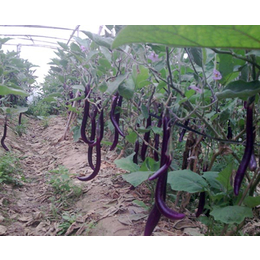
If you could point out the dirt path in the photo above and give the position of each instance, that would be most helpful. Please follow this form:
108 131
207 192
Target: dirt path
106 205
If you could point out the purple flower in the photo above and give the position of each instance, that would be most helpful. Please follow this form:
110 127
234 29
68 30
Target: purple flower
83 48
197 89
216 75
153 57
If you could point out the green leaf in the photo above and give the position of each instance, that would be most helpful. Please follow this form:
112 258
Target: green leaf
104 63
99 40
127 88
106 53
127 164
52 97
226 68
4 90
239 89
103 87
113 86
196 55
63 45
190 93
19 110
252 201
186 180
224 176
231 214
149 164
157 130
144 111
75 48
76 133
131 137
141 204
210 177
140 75
136 178
210 36
79 87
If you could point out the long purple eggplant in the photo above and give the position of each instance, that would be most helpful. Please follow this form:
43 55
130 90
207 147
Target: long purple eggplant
252 163
85 118
4 136
156 142
248 151
92 137
201 204
152 221
160 206
229 134
117 101
160 201
183 130
162 169
116 117
146 138
100 129
136 150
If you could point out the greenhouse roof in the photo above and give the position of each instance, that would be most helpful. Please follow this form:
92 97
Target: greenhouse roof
37 43
39 35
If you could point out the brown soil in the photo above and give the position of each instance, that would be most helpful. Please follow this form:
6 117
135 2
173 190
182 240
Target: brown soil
106 206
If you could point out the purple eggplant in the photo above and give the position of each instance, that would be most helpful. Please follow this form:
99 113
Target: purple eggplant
20 119
252 163
156 142
4 136
229 134
117 101
100 128
160 201
146 138
152 221
248 151
183 130
92 138
162 169
201 204
85 118
135 158
160 206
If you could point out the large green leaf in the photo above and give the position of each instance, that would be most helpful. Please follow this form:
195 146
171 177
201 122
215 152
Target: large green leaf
252 201
140 76
127 164
113 86
186 180
126 89
19 110
231 214
4 90
224 176
136 178
211 36
239 89
210 177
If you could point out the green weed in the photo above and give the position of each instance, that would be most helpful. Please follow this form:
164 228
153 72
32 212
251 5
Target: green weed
62 184
10 170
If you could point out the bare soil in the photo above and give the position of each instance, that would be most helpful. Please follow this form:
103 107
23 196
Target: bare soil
106 206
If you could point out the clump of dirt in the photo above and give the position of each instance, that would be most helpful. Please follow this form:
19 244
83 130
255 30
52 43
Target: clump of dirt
106 205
